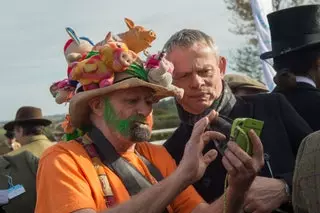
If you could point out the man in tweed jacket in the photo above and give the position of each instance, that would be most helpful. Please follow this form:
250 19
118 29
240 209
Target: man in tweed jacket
306 180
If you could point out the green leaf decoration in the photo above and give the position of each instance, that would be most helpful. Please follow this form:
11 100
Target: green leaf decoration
92 53
72 136
138 71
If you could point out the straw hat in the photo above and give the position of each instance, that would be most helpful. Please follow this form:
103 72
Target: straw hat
27 114
135 76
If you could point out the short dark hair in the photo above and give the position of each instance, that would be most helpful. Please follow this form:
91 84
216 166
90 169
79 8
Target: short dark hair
294 64
299 62
187 37
31 129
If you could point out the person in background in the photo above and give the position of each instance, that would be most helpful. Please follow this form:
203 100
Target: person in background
306 179
244 85
9 144
12 141
4 147
18 171
28 128
296 56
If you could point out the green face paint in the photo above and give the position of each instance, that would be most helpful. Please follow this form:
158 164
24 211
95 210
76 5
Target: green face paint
122 126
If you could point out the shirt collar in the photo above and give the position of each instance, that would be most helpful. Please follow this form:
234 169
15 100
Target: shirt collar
30 139
306 80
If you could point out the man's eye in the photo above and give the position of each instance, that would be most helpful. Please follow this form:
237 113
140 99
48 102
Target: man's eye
150 101
177 77
205 72
132 101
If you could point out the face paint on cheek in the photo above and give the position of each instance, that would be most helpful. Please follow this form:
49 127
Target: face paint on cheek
112 119
122 126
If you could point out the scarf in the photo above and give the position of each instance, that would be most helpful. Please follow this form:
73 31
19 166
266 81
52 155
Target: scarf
224 104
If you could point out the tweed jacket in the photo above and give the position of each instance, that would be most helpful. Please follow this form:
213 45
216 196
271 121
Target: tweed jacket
306 179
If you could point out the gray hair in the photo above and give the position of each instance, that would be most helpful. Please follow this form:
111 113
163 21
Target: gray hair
187 37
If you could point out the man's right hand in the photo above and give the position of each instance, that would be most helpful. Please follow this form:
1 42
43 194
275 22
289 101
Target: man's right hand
194 163
242 168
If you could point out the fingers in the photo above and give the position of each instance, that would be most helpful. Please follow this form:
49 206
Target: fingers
235 161
198 129
240 160
228 166
202 124
210 156
257 148
212 135
240 155
213 115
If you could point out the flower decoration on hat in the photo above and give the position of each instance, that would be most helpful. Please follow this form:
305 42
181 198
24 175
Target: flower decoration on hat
62 91
160 72
112 64
66 125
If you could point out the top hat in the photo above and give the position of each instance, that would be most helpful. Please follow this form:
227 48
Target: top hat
27 114
293 29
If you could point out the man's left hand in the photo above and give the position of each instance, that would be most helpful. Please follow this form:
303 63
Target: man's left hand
265 195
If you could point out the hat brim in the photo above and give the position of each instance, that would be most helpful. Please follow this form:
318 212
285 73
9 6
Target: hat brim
38 121
272 54
79 109
263 89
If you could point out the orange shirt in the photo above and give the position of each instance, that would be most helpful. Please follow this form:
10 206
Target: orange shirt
67 180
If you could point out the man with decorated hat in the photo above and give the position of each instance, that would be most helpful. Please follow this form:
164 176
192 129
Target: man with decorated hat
295 35
112 167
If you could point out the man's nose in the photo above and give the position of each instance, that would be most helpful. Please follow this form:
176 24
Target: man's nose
196 81
144 108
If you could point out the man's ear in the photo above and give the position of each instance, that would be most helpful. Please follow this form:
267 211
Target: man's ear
97 106
222 65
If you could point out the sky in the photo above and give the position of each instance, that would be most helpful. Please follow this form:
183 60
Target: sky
33 35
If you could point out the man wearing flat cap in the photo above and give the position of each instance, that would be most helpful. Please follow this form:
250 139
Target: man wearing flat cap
295 35
244 85
28 130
